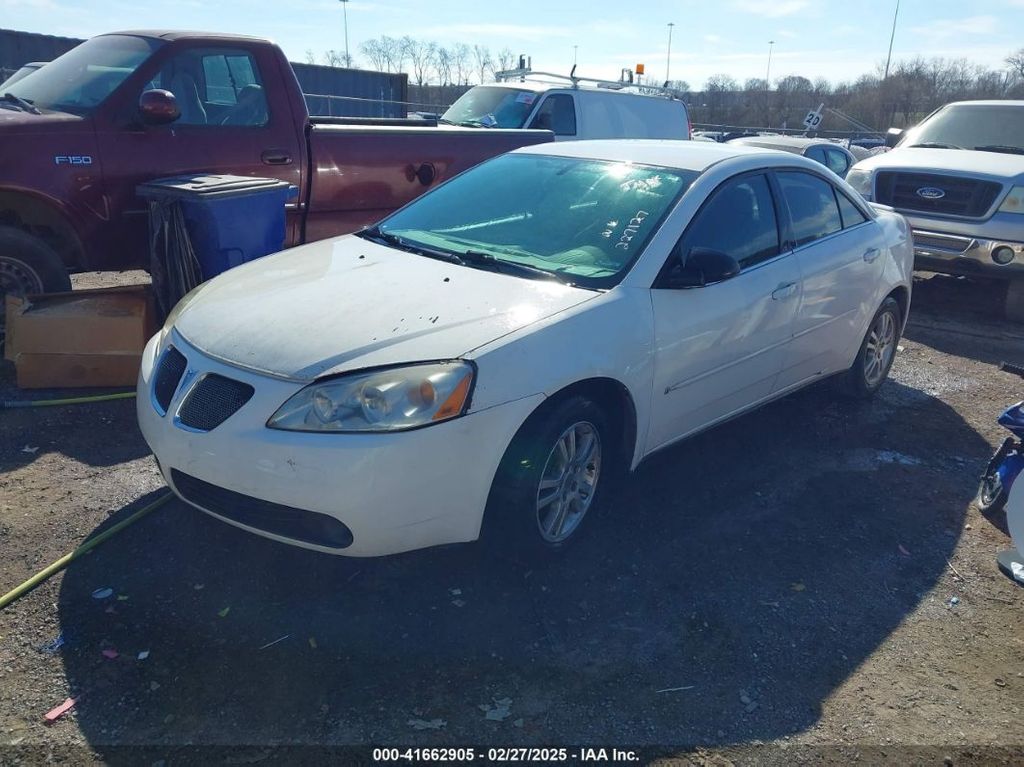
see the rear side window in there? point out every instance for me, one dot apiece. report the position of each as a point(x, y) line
point(812, 206)
point(851, 213)
point(838, 162)
point(739, 220)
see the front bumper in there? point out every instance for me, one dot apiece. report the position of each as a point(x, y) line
point(959, 254)
point(392, 492)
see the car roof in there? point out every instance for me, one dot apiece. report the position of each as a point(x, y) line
point(669, 153)
point(988, 103)
point(185, 34)
point(789, 143)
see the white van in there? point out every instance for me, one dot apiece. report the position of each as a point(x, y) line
point(573, 111)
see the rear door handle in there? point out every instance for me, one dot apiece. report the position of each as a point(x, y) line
point(784, 291)
point(871, 254)
point(276, 157)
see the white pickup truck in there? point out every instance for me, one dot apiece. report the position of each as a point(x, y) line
point(958, 177)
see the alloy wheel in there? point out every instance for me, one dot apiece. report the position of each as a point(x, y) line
point(568, 482)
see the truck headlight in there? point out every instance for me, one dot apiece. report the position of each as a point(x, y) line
point(392, 399)
point(860, 180)
point(1014, 202)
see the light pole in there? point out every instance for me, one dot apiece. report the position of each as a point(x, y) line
point(892, 37)
point(668, 59)
point(768, 86)
point(574, 56)
point(344, 9)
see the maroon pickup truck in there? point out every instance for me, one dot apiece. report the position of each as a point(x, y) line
point(79, 134)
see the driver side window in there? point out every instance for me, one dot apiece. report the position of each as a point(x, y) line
point(739, 220)
point(215, 87)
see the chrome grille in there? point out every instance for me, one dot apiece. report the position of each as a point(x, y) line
point(168, 374)
point(212, 401)
point(965, 197)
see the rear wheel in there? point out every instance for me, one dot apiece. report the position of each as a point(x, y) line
point(877, 352)
point(28, 265)
point(553, 475)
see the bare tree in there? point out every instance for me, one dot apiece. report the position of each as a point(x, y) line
point(1016, 63)
point(461, 63)
point(374, 51)
point(334, 58)
point(506, 59)
point(421, 58)
point(310, 56)
point(443, 64)
point(482, 61)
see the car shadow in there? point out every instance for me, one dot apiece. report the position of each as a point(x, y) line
point(963, 317)
point(729, 587)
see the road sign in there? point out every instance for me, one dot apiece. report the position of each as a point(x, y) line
point(813, 119)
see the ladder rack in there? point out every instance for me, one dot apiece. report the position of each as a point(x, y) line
point(523, 73)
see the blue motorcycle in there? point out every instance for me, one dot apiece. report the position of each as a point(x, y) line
point(1008, 462)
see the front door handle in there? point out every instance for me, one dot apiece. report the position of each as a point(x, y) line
point(784, 291)
point(276, 157)
point(871, 254)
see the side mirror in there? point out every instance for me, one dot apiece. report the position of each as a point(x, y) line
point(893, 136)
point(703, 266)
point(158, 107)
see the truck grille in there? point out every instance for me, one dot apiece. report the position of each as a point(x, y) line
point(297, 524)
point(965, 197)
point(212, 401)
point(168, 373)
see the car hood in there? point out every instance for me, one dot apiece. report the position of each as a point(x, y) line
point(346, 303)
point(17, 121)
point(996, 165)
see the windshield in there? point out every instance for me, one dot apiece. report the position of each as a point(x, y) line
point(491, 107)
point(992, 127)
point(82, 78)
point(578, 220)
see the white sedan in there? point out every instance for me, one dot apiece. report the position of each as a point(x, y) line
point(485, 360)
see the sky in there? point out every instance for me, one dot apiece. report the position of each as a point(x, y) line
point(835, 40)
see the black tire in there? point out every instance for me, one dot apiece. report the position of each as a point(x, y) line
point(512, 521)
point(27, 265)
point(862, 380)
point(991, 497)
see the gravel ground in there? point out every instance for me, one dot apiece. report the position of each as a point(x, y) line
point(809, 582)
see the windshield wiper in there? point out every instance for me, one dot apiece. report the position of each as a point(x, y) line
point(20, 102)
point(376, 233)
point(446, 121)
point(934, 145)
point(1000, 148)
point(483, 260)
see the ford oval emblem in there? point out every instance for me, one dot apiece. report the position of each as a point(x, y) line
point(931, 193)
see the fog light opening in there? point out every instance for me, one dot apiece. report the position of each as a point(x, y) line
point(1003, 255)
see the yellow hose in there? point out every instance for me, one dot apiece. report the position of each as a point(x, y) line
point(85, 548)
point(69, 401)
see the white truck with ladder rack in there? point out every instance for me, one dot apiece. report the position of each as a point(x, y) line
point(573, 107)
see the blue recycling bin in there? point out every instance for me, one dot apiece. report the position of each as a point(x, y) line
point(230, 220)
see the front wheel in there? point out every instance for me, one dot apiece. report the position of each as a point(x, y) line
point(552, 476)
point(877, 352)
point(27, 265)
point(992, 493)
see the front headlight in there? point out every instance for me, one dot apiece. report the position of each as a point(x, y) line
point(861, 181)
point(381, 400)
point(1014, 202)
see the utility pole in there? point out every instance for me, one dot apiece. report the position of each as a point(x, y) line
point(344, 9)
point(668, 59)
point(888, 59)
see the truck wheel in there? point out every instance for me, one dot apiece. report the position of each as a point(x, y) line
point(1015, 301)
point(27, 265)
